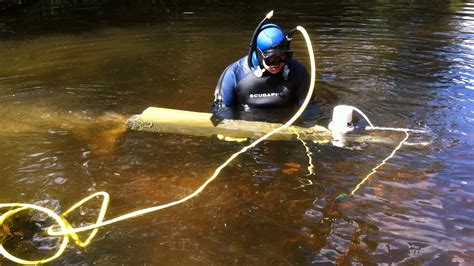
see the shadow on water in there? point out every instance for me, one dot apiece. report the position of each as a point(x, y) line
point(99, 131)
point(66, 91)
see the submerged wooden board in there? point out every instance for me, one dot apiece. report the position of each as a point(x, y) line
point(165, 120)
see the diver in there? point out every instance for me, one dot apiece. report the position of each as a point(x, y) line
point(267, 84)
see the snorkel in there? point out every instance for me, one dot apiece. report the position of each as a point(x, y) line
point(253, 41)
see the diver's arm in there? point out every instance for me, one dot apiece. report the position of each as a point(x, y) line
point(312, 111)
point(225, 97)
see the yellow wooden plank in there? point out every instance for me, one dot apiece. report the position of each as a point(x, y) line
point(166, 120)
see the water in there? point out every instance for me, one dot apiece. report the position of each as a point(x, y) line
point(66, 91)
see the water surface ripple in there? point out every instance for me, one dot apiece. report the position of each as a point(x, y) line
point(65, 94)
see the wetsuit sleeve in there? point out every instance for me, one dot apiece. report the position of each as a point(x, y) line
point(225, 97)
point(312, 111)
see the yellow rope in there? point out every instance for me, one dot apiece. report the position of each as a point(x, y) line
point(65, 228)
point(374, 170)
point(23, 207)
point(305, 181)
point(308, 153)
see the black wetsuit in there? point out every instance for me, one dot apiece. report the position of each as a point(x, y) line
point(241, 94)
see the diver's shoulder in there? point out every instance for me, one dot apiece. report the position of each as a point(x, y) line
point(242, 62)
point(239, 65)
point(241, 68)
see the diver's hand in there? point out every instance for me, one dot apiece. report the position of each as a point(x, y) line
point(226, 138)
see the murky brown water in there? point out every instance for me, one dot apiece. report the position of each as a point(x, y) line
point(65, 95)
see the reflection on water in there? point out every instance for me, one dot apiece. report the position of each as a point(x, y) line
point(65, 95)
